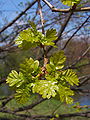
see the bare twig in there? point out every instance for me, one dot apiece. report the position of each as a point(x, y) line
point(43, 32)
point(80, 90)
point(75, 32)
point(81, 114)
point(69, 10)
point(22, 13)
point(65, 10)
point(3, 80)
point(84, 81)
point(6, 100)
point(79, 58)
point(29, 106)
point(62, 29)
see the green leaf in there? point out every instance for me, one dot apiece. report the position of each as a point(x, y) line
point(56, 83)
point(58, 60)
point(65, 94)
point(45, 88)
point(51, 34)
point(27, 39)
point(14, 79)
point(32, 37)
point(49, 37)
point(50, 68)
point(70, 2)
point(30, 69)
point(33, 25)
point(22, 95)
point(70, 76)
point(29, 66)
point(27, 45)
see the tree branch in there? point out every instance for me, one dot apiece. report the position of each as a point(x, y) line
point(75, 32)
point(65, 10)
point(79, 58)
point(13, 21)
point(29, 106)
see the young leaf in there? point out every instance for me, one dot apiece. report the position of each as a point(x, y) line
point(14, 79)
point(70, 76)
point(30, 69)
point(58, 60)
point(70, 2)
point(27, 39)
point(45, 88)
point(29, 66)
point(22, 95)
point(51, 34)
point(65, 94)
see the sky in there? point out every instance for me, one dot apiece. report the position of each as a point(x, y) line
point(9, 9)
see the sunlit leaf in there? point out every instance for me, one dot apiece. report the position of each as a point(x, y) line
point(45, 88)
point(15, 79)
point(70, 2)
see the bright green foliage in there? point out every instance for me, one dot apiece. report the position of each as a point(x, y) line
point(56, 82)
point(57, 60)
point(22, 95)
point(14, 79)
point(31, 79)
point(32, 37)
point(70, 2)
point(30, 67)
point(45, 88)
point(70, 77)
point(65, 94)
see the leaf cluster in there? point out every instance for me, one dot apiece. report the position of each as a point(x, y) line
point(32, 37)
point(55, 83)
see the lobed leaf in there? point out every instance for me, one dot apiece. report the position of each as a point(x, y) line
point(70, 2)
point(58, 60)
point(14, 79)
point(70, 76)
point(65, 94)
point(22, 95)
point(45, 88)
point(51, 35)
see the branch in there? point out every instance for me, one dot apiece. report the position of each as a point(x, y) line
point(65, 10)
point(79, 59)
point(85, 106)
point(62, 29)
point(29, 106)
point(6, 101)
point(3, 80)
point(13, 21)
point(80, 66)
point(75, 32)
point(43, 32)
point(86, 78)
point(82, 114)
point(69, 10)
point(80, 90)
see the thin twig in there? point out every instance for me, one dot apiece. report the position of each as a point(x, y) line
point(6, 101)
point(62, 29)
point(22, 13)
point(43, 32)
point(29, 106)
point(75, 32)
point(65, 10)
point(79, 59)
